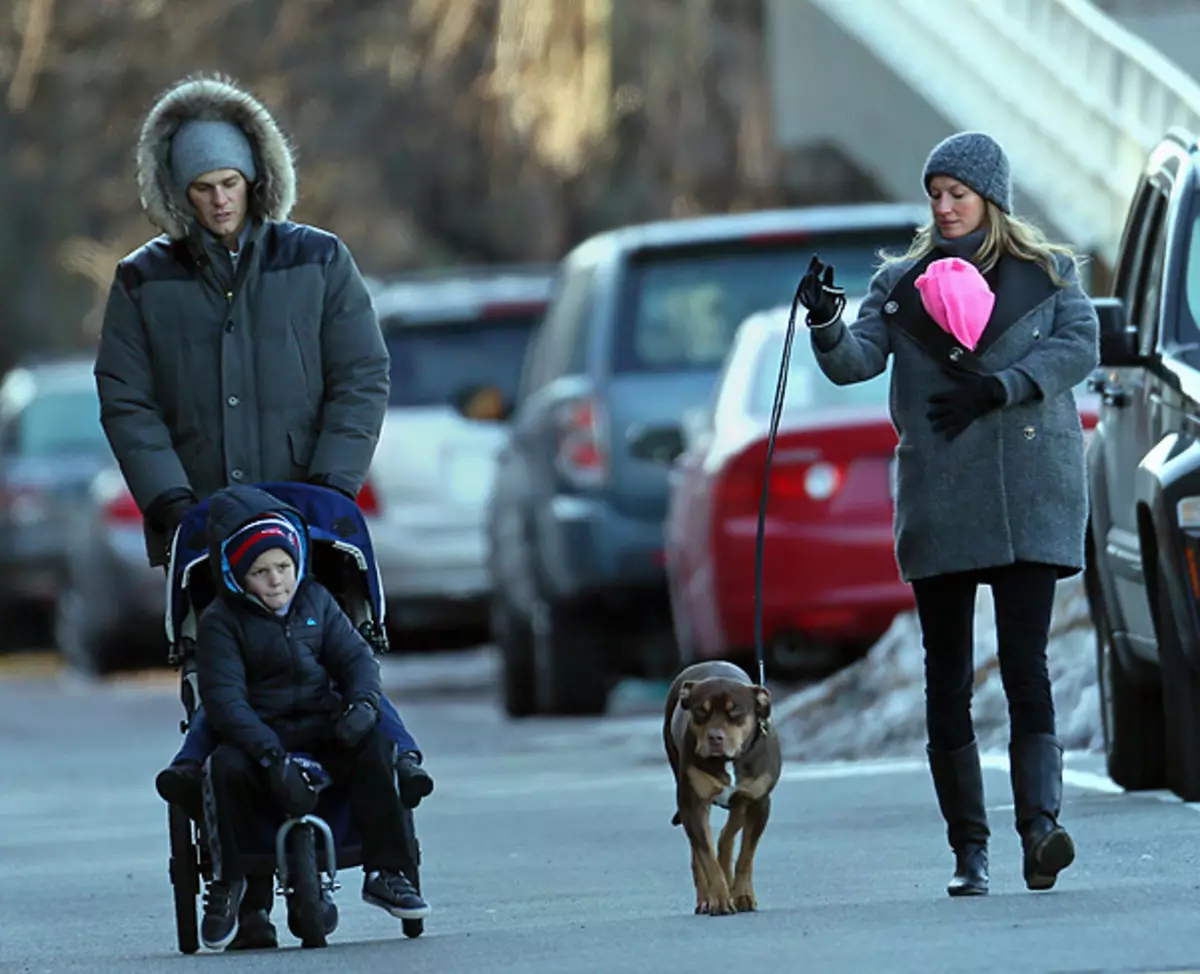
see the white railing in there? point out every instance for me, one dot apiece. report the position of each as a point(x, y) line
point(1077, 99)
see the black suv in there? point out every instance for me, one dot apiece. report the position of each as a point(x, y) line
point(1143, 572)
point(636, 334)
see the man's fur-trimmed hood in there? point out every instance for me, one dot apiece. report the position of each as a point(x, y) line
point(212, 97)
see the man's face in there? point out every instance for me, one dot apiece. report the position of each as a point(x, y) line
point(220, 201)
point(272, 578)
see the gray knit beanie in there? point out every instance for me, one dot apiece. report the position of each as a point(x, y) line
point(975, 160)
point(200, 146)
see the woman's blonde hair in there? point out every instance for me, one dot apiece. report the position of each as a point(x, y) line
point(1005, 233)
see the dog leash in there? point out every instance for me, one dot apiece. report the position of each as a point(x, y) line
point(776, 415)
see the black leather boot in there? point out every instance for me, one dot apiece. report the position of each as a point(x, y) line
point(1036, 762)
point(958, 781)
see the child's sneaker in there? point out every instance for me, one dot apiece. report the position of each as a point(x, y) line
point(393, 892)
point(221, 904)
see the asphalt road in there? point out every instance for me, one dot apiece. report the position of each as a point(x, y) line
point(547, 849)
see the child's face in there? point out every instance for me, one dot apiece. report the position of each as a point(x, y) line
point(272, 578)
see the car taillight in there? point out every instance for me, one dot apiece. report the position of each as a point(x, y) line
point(800, 477)
point(368, 500)
point(122, 509)
point(581, 457)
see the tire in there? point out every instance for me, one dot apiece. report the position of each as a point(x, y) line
point(1131, 712)
point(1180, 699)
point(184, 870)
point(515, 641)
point(412, 868)
point(570, 675)
point(306, 912)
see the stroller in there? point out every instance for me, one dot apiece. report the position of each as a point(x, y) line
point(303, 854)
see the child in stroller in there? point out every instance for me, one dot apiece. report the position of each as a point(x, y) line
point(269, 650)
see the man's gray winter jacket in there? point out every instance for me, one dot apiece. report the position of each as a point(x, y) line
point(210, 376)
point(1011, 487)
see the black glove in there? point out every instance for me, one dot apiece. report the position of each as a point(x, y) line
point(952, 412)
point(823, 299)
point(356, 723)
point(323, 480)
point(290, 786)
point(169, 508)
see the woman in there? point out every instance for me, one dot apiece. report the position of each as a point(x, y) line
point(990, 485)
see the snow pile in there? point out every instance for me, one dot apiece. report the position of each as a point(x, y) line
point(876, 706)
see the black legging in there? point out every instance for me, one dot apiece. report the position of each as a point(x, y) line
point(1023, 594)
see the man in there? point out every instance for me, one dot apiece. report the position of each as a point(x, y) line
point(238, 347)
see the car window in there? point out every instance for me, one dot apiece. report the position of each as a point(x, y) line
point(684, 307)
point(432, 364)
point(57, 423)
point(807, 385)
point(1189, 331)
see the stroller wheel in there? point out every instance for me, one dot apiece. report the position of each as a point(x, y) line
point(305, 904)
point(185, 879)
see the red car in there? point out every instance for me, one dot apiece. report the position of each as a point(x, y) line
point(831, 587)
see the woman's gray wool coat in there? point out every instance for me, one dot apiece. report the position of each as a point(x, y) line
point(1012, 486)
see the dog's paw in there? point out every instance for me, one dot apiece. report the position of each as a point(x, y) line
point(745, 901)
point(721, 906)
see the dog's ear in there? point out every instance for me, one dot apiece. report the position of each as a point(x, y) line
point(762, 702)
point(685, 693)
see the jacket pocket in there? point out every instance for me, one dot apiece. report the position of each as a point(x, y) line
point(301, 446)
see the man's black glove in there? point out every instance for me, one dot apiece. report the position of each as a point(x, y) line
point(952, 412)
point(356, 723)
point(169, 508)
point(323, 480)
point(823, 299)
point(290, 786)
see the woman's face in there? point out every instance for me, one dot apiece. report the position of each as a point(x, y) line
point(957, 209)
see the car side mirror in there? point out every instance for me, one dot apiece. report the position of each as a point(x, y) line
point(658, 444)
point(1118, 338)
point(482, 403)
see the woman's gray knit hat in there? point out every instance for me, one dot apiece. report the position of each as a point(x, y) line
point(975, 160)
point(204, 145)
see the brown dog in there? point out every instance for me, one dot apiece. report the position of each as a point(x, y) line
point(717, 716)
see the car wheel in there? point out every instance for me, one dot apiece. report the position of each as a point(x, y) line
point(515, 641)
point(570, 675)
point(1180, 699)
point(1131, 713)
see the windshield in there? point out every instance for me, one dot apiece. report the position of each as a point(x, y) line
point(57, 423)
point(807, 386)
point(684, 308)
point(432, 364)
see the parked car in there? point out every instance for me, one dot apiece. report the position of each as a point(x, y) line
point(110, 613)
point(457, 341)
point(830, 584)
point(1143, 573)
point(640, 323)
point(51, 446)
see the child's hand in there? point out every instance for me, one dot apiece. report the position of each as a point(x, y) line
point(356, 723)
point(290, 787)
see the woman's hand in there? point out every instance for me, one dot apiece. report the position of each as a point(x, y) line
point(823, 299)
point(974, 396)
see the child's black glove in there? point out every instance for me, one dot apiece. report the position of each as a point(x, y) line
point(356, 723)
point(952, 412)
point(290, 785)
